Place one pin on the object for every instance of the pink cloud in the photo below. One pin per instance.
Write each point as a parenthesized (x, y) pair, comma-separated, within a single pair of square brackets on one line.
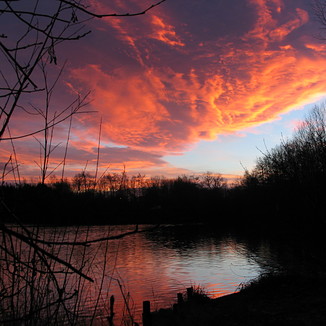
[(219, 90), (164, 81), (165, 32)]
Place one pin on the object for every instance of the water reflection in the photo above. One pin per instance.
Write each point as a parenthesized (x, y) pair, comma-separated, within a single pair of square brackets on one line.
[(156, 265)]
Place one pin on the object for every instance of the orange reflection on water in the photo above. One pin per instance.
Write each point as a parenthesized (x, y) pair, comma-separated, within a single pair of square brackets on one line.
[(154, 266)]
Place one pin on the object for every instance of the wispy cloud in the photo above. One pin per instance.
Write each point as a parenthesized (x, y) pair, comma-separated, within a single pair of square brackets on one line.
[(224, 85), (189, 72)]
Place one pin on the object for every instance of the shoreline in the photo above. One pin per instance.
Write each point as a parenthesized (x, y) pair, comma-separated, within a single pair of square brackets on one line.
[(272, 300)]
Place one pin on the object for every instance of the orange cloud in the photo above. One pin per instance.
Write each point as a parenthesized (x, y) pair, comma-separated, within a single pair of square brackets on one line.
[(267, 27), (165, 32), (128, 103), (282, 31), (318, 48), (264, 23), (181, 77), (245, 84)]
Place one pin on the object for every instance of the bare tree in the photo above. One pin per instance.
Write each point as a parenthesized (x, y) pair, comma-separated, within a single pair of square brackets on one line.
[(212, 181), (300, 161), (30, 34), (83, 181)]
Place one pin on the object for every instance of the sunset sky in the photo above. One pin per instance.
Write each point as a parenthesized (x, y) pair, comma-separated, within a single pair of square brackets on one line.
[(189, 87)]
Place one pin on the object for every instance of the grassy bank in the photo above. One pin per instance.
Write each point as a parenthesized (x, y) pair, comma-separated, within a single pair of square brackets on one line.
[(270, 300)]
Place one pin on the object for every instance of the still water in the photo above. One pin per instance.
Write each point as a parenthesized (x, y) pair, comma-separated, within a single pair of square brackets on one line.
[(153, 265)]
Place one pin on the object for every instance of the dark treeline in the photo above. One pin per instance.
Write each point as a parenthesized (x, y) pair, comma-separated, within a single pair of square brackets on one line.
[(283, 193), (116, 198)]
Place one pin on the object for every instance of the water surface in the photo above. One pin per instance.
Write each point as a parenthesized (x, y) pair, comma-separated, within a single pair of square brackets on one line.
[(154, 266)]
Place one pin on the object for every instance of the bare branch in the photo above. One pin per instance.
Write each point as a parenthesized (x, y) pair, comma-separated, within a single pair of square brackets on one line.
[(31, 243), (52, 123), (89, 242), (88, 12)]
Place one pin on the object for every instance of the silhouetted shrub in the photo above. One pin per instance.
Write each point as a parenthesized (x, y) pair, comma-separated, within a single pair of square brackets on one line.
[(292, 176)]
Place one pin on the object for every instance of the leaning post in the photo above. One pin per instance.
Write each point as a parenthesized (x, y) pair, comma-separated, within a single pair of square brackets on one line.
[(190, 292), (147, 318), (180, 298), (110, 318)]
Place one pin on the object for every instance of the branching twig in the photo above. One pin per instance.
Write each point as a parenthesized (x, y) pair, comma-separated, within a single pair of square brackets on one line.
[(88, 12)]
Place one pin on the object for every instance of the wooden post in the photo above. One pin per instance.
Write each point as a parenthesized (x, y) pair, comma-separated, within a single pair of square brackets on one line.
[(147, 318), (180, 298), (110, 318), (190, 292)]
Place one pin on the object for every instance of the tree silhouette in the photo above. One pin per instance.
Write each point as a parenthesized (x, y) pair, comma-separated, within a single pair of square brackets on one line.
[(28, 45), (30, 33), (290, 178)]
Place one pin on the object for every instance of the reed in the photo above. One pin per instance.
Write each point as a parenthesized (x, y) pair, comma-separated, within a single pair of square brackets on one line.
[(39, 287)]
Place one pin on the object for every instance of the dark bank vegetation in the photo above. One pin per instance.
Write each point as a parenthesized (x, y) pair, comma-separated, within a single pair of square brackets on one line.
[(271, 300), (286, 187), (115, 198)]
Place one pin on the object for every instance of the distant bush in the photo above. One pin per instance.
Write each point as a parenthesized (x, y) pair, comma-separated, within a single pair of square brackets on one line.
[(290, 178), (301, 160)]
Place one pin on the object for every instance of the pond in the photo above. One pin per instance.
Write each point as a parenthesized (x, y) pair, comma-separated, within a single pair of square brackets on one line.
[(154, 265)]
